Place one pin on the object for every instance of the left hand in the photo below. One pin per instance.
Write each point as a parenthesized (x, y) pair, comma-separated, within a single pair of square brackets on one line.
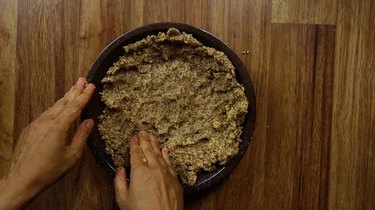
[(44, 153)]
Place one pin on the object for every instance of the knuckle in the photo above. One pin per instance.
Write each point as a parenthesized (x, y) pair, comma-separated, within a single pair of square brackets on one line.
[(147, 150), (72, 92), (135, 151), (75, 105), (77, 89), (62, 100), (161, 171), (67, 94), (84, 133)]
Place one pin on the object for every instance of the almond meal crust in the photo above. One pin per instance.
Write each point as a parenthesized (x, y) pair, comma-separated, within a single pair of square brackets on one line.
[(181, 91)]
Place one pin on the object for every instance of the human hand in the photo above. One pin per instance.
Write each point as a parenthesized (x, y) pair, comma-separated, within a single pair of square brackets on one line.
[(153, 184), (44, 153)]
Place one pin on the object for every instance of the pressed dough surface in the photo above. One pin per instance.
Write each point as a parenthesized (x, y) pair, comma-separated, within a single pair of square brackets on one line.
[(181, 91)]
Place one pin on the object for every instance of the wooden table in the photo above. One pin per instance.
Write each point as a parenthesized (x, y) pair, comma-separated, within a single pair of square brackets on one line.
[(313, 68)]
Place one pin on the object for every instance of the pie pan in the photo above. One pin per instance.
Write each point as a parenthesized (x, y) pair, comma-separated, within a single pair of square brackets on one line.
[(112, 53)]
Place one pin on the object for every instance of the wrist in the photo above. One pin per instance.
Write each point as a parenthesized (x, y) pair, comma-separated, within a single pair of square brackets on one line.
[(15, 194)]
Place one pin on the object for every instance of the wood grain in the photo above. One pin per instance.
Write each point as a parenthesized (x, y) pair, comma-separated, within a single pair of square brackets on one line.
[(46, 48), (312, 64), (8, 36), (299, 95), (352, 174), (304, 12), (255, 29)]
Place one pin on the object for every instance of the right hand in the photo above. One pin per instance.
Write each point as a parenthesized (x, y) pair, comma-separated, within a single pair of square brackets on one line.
[(154, 184)]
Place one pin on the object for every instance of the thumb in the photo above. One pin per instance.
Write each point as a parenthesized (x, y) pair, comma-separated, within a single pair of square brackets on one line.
[(81, 135), (121, 187)]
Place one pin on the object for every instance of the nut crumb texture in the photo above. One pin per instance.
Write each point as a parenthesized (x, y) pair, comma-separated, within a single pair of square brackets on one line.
[(183, 92)]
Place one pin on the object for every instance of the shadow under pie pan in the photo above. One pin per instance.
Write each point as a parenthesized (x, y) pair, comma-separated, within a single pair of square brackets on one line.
[(112, 53)]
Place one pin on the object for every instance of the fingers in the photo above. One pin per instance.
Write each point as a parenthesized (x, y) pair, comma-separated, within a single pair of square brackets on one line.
[(147, 148), (154, 143), (84, 98), (68, 108), (81, 135), (136, 156), (76, 100), (69, 96), (121, 186), (150, 149), (76, 90), (165, 154)]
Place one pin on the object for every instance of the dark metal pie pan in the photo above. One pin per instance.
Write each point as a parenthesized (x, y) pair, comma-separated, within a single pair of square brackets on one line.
[(112, 53)]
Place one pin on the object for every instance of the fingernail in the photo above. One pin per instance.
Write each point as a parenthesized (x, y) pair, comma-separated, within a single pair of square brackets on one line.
[(80, 81), (90, 86), (134, 133), (135, 138), (140, 137), (89, 123), (165, 149), (143, 134)]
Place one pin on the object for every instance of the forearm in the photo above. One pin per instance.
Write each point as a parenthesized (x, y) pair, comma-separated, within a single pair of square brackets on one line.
[(14, 194)]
